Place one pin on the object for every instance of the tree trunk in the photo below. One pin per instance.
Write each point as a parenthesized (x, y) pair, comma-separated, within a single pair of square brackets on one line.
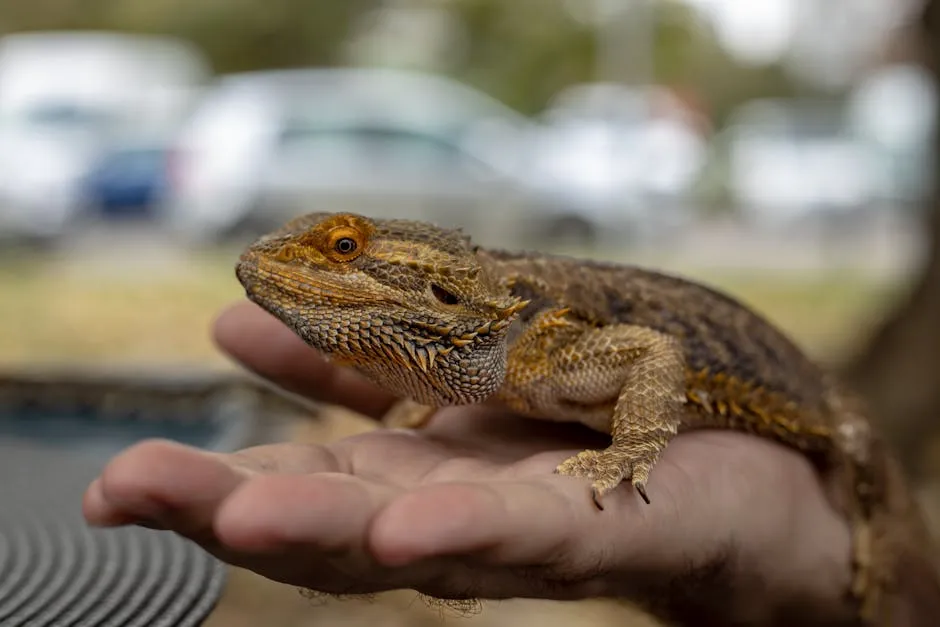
[(899, 369)]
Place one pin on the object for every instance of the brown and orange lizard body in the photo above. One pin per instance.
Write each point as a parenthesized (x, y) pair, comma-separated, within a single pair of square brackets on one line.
[(633, 353)]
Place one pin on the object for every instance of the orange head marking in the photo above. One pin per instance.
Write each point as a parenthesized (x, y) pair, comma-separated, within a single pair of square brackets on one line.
[(341, 238), (338, 238)]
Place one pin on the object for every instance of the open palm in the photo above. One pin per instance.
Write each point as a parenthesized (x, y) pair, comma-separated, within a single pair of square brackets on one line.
[(470, 507)]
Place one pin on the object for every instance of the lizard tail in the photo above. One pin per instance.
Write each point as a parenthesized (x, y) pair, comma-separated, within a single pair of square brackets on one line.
[(895, 559)]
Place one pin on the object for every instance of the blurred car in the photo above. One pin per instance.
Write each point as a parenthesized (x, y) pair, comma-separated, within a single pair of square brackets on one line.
[(796, 161), (267, 146), (611, 163), (44, 153), (64, 98), (894, 111), (128, 181)]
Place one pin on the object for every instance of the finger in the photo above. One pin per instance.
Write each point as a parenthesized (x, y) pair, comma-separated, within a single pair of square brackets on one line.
[(327, 513), (312, 531), (267, 347), (128, 473), (335, 532), (283, 458), (506, 523), (99, 512), (164, 484)]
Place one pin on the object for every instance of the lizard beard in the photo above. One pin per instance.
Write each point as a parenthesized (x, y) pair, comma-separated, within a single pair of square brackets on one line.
[(465, 375)]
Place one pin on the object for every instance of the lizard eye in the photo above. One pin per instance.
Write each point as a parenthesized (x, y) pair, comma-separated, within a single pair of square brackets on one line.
[(443, 295), (345, 245)]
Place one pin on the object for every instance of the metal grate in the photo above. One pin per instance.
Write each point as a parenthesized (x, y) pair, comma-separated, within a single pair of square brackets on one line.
[(57, 430), (55, 571)]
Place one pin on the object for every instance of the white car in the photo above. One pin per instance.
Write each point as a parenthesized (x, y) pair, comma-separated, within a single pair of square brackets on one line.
[(265, 147), (795, 160), (64, 97), (40, 180), (608, 167)]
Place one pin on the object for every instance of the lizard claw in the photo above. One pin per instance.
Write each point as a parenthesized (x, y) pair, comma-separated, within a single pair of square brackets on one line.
[(596, 497)]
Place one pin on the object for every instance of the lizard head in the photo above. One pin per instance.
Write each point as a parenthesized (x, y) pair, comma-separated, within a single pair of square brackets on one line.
[(407, 304)]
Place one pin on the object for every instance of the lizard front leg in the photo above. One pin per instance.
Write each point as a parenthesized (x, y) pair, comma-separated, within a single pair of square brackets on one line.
[(626, 380), (407, 414)]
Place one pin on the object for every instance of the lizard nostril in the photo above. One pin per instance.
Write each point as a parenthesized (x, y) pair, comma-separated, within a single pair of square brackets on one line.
[(443, 295)]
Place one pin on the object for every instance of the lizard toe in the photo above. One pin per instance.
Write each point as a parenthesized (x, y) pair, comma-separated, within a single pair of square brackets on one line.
[(581, 465), (606, 469)]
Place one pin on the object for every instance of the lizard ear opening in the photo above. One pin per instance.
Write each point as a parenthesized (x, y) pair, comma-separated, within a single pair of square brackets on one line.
[(443, 296)]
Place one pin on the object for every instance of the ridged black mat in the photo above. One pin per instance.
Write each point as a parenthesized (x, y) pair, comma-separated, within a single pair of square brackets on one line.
[(57, 430), (54, 570)]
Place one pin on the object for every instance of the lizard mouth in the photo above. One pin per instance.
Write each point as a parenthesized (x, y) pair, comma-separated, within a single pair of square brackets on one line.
[(265, 282), (273, 285), (256, 281), (269, 282), (246, 271)]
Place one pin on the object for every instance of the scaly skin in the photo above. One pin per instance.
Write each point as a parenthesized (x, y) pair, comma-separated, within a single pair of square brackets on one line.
[(635, 354)]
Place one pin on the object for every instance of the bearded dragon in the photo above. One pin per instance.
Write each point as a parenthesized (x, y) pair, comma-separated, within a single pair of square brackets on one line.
[(640, 355)]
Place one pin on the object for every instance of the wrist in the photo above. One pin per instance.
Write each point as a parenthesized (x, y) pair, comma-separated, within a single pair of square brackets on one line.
[(799, 571), (781, 554)]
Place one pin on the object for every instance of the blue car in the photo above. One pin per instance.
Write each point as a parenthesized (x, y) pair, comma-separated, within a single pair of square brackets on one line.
[(128, 182)]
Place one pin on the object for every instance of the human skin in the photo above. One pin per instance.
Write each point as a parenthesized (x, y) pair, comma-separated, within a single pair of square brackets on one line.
[(739, 528)]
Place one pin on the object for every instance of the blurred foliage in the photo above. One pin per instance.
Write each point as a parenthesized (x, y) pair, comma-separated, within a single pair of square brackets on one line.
[(520, 58), (236, 35), (524, 61), (522, 52)]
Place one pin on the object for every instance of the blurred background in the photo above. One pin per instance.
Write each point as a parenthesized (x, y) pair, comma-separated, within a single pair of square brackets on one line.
[(780, 149)]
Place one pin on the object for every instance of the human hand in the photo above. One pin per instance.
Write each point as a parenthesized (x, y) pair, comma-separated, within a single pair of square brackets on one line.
[(738, 528)]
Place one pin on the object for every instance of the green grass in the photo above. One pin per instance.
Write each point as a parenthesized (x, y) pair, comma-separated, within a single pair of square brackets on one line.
[(828, 315), (125, 309), (68, 311)]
